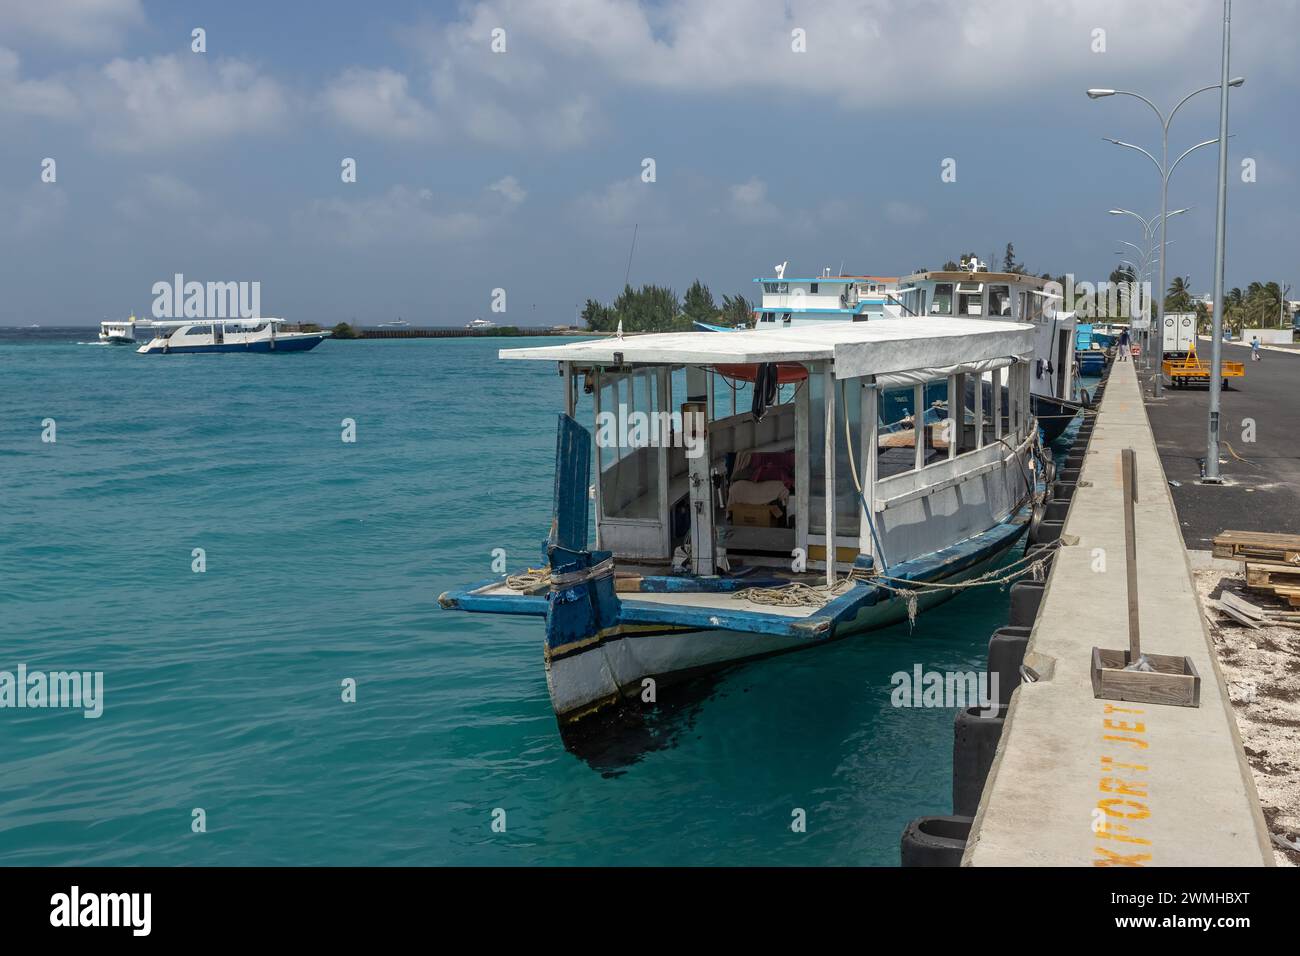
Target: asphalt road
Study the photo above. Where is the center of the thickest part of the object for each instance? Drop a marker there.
(1259, 493)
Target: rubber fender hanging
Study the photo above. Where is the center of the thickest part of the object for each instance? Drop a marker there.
(1006, 654)
(935, 841)
(976, 733)
(1035, 521)
(1026, 596)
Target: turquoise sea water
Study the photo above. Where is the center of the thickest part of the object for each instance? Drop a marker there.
(324, 561)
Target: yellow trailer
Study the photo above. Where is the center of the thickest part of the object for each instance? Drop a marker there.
(1190, 369)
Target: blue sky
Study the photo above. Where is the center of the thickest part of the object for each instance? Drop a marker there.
(522, 169)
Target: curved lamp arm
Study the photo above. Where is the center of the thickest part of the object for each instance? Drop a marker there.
(1147, 224)
(1208, 142)
(1155, 109)
(1203, 89)
(1160, 169)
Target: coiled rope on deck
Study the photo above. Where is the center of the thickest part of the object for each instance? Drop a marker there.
(530, 580)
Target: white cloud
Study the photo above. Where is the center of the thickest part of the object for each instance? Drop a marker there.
(509, 188)
(79, 24)
(621, 203)
(860, 54)
(171, 102)
(48, 98)
(524, 98)
(403, 214)
(377, 103)
(172, 192)
(749, 201)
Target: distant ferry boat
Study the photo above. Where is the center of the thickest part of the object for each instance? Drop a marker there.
(228, 335)
(118, 332)
(481, 324)
(787, 302)
(395, 324)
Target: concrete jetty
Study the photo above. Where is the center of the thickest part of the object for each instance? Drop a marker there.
(1079, 781)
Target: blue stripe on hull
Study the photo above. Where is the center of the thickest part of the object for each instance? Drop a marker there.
(281, 345)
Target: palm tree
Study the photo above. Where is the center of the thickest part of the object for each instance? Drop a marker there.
(1179, 296)
(736, 310)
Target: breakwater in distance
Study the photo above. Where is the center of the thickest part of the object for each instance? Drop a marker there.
(506, 332)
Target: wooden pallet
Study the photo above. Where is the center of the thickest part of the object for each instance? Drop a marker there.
(1277, 580)
(1258, 547)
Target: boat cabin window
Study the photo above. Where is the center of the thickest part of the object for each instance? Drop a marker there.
(1000, 301)
(896, 433)
(776, 288)
(942, 304)
(994, 399)
(970, 298)
(629, 433)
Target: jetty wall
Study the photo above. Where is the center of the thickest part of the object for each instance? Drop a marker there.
(1078, 781)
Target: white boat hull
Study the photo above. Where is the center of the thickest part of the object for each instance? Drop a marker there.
(582, 683)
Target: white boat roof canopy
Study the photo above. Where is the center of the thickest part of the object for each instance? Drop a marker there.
(930, 345)
(179, 323)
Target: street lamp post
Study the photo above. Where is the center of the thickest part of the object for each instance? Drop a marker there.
(1148, 226)
(1220, 238)
(1165, 172)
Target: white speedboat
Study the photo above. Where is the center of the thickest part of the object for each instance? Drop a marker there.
(479, 325)
(889, 462)
(118, 332)
(228, 335)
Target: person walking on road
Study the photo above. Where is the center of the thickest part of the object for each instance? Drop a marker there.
(1254, 349)
(1122, 350)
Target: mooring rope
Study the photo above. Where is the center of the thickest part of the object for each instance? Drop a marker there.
(798, 594)
(529, 580)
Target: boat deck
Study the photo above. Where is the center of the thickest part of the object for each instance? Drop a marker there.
(705, 600)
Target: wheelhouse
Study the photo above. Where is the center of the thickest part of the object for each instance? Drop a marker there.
(1008, 296)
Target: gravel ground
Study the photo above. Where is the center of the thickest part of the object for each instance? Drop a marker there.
(1262, 669)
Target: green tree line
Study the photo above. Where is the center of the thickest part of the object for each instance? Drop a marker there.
(654, 308)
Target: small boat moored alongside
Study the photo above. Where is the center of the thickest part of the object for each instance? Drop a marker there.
(879, 459)
(119, 331)
(1089, 353)
(181, 336)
